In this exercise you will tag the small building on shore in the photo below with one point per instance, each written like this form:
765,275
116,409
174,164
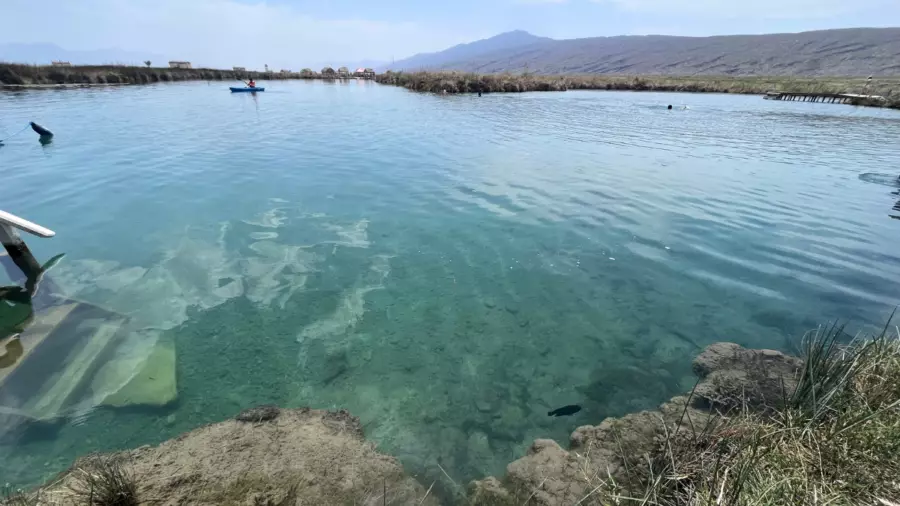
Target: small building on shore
179,64
328,73
343,72
239,69
365,73
59,63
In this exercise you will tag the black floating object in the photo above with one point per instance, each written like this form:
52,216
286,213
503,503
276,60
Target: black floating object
569,410
43,132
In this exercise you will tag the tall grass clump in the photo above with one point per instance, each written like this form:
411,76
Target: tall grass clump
104,482
834,440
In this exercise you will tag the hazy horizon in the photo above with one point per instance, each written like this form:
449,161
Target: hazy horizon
295,33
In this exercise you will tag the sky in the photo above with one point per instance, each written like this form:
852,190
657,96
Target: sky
300,33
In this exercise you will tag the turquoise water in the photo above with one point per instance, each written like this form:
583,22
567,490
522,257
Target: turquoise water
448,269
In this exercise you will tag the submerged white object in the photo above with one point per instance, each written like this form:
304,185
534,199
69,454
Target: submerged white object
24,225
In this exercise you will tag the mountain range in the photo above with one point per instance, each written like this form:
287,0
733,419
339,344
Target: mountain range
843,52
43,54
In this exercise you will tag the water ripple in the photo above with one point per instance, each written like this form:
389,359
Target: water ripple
462,260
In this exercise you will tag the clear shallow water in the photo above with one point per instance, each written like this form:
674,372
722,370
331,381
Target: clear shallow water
448,269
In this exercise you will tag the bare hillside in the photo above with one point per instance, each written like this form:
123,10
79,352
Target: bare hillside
847,52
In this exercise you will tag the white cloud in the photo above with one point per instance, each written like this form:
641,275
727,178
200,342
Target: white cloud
216,32
760,9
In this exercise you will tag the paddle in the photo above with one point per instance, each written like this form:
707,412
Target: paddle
241,80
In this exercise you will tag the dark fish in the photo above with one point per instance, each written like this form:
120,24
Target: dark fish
571,409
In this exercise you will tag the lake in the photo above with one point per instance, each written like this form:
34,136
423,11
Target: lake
447,268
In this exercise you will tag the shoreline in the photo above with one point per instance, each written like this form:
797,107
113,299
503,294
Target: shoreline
60,86
19,76
469,83
220,456
755,403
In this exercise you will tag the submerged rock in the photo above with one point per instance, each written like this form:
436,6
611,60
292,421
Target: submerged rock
237,463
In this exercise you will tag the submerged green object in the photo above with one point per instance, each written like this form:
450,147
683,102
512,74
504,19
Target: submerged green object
154,384
13,351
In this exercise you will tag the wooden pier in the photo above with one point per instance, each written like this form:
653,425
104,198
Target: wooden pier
831,98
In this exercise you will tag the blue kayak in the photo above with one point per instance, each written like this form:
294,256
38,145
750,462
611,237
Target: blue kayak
252,90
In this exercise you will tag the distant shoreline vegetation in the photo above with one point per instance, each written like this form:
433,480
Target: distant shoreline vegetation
461,82
15,75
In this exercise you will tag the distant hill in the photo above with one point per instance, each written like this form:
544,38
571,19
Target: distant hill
846,52
472,51
43,54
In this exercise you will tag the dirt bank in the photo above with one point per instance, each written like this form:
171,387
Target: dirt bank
266,456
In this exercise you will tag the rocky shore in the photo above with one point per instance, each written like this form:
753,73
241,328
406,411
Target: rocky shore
266,456
842,400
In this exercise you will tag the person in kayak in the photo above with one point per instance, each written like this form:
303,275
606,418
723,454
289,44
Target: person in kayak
252,83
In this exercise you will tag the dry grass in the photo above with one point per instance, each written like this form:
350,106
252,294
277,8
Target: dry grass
18,497
262,490
104,482
836,441
256,490
23,75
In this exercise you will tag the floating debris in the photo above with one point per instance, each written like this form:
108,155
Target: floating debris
43,132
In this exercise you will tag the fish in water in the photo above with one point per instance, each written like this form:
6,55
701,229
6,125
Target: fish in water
569,410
